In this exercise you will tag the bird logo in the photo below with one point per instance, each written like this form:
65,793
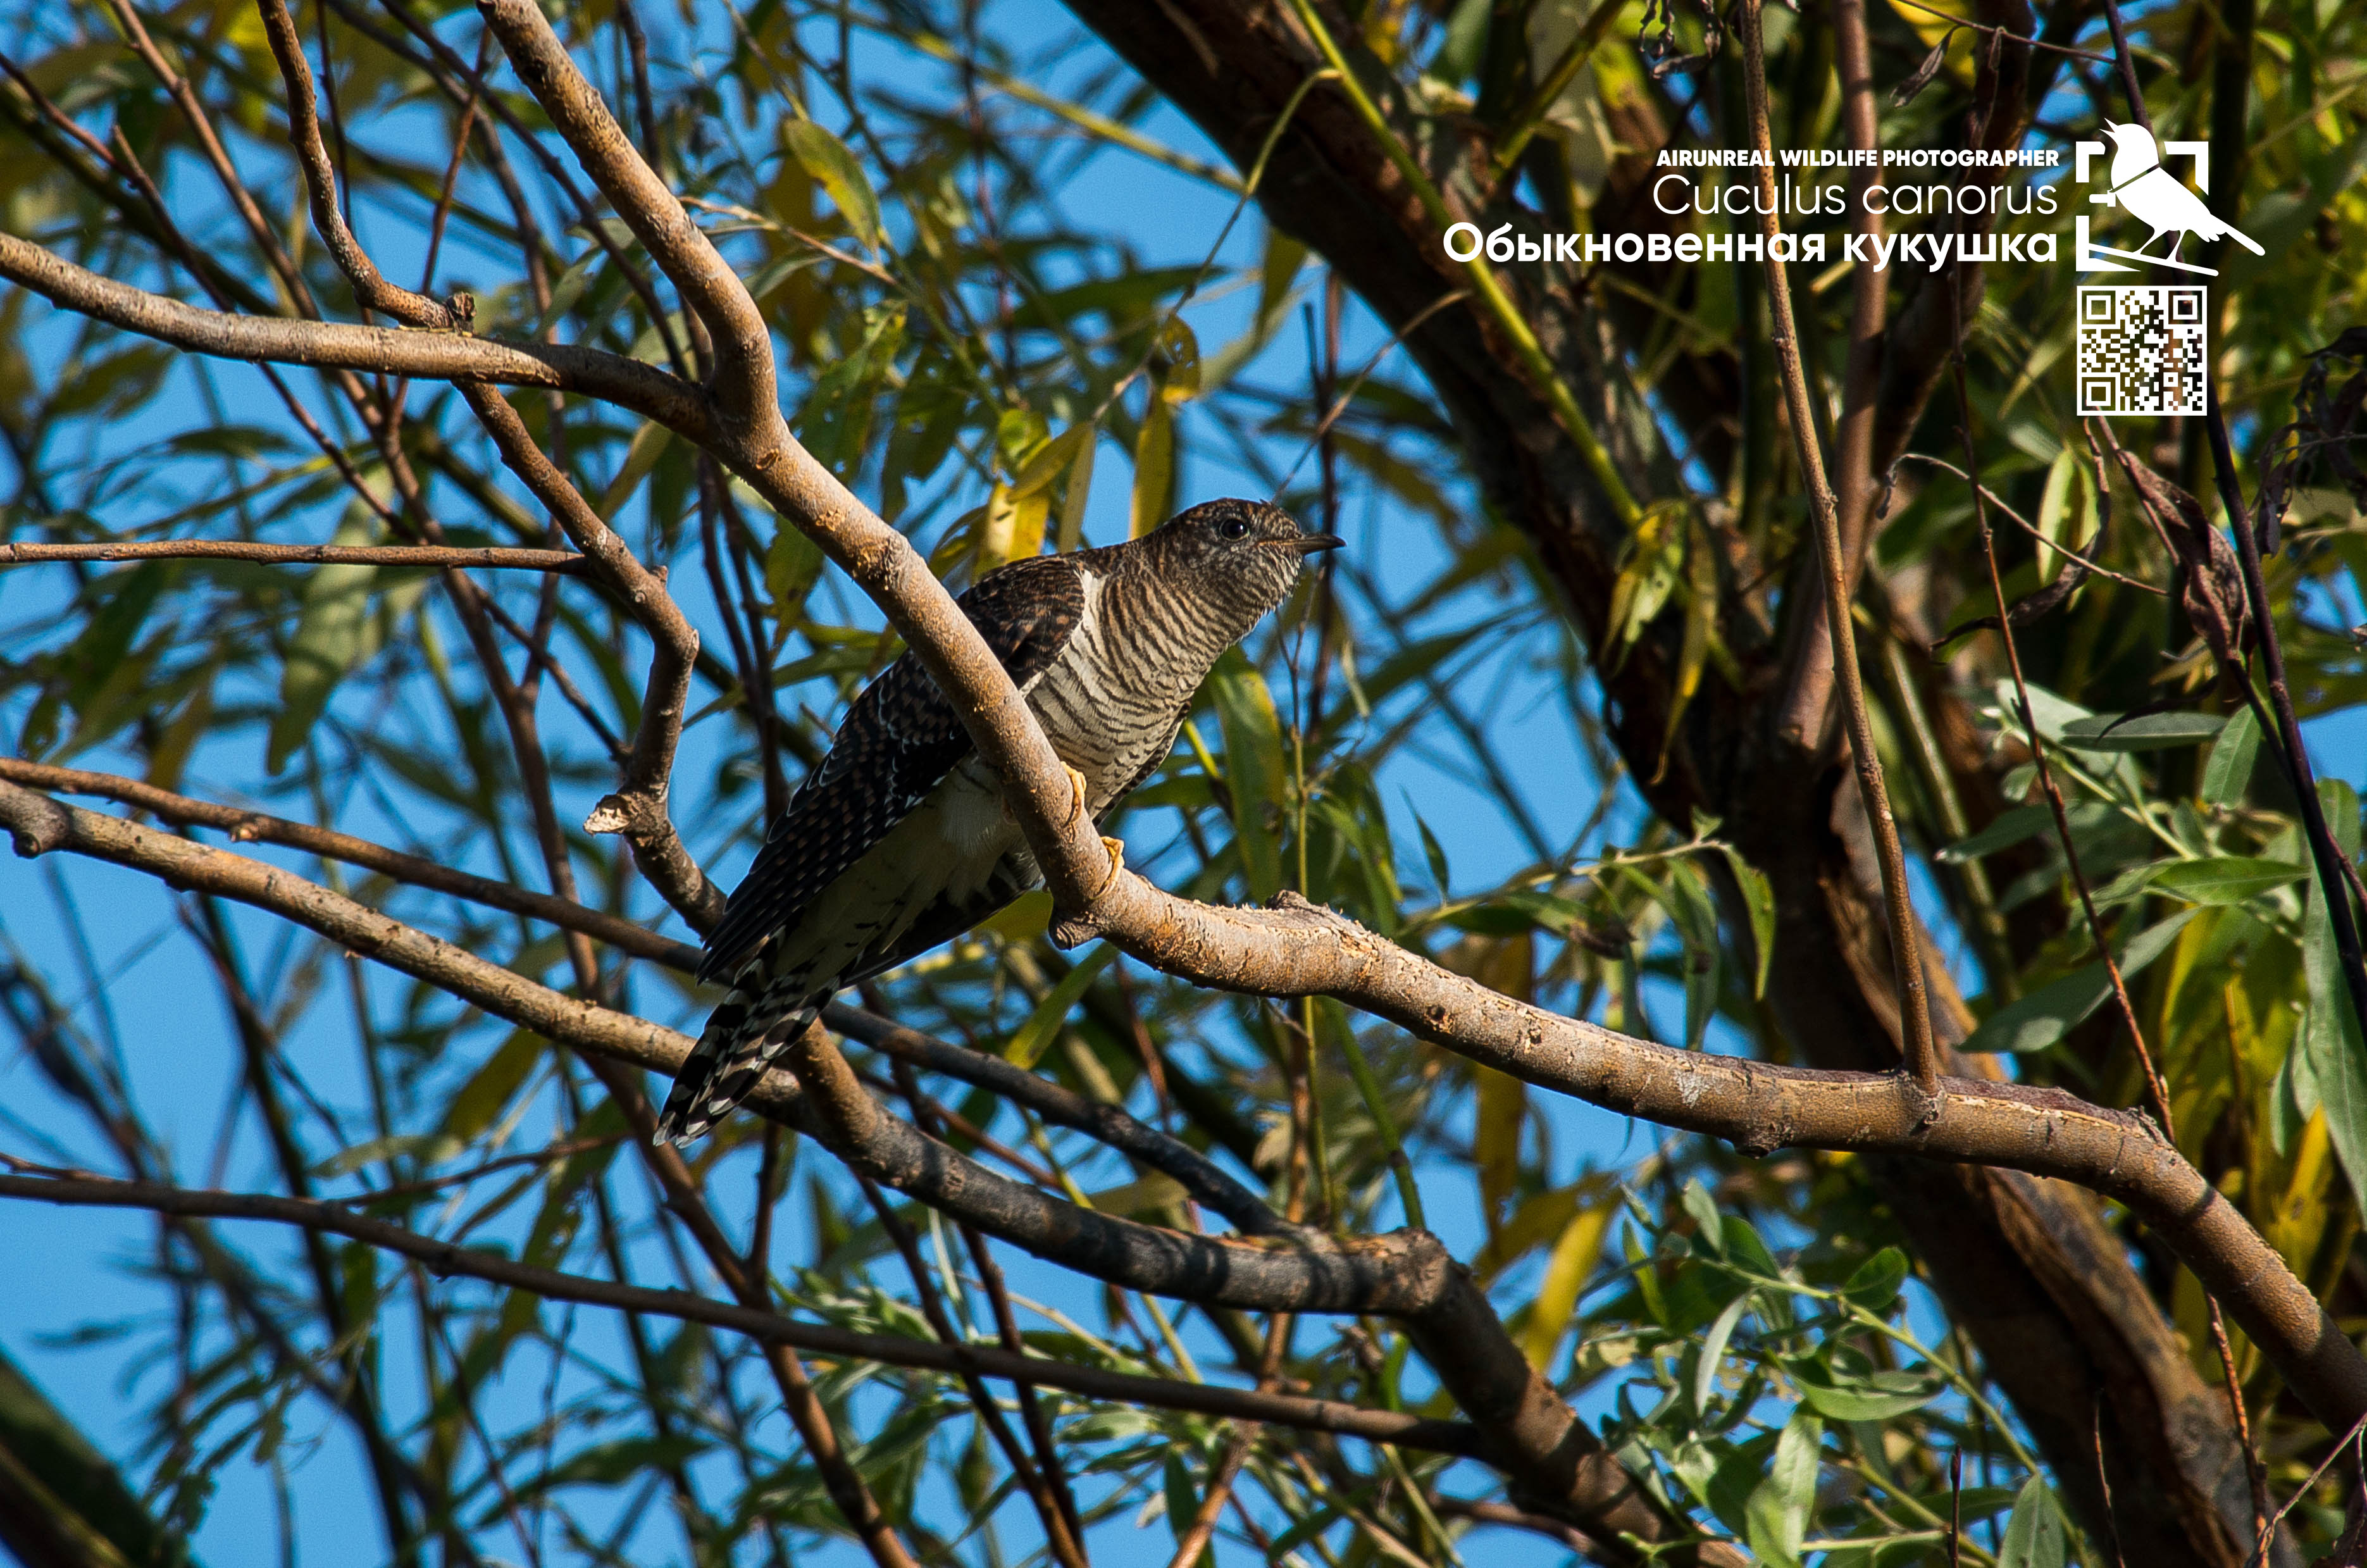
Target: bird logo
2155,197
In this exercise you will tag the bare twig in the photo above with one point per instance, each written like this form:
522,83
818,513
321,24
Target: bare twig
1808,687
816,1339
1906,942
2026,525
559,560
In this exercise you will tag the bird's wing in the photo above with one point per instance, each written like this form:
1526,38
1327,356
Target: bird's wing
900,739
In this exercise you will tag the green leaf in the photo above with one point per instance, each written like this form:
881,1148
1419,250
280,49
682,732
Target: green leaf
1704,1209
792,566
2055,505
825,157
1182,1498
1697,920
648,444
2043,1017
1776,1520
479,1102
1876,1396
2034,1537
836,422
1254,767
2148,732
1433,854
2225,879
2010,829
1758,899
2336,1056
1302,1532
1713,1352
613,1464
335,632
2229,771
1746,1248
1877,1280
1027,1042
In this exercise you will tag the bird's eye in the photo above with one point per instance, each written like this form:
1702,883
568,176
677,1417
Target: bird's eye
1235,526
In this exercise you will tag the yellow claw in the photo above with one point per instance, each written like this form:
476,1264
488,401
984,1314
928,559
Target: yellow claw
1076,785
1117,847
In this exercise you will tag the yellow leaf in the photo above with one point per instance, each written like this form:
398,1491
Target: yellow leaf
1073,499
1539,1219
1154,468
648,445
1504,1106
1011,530
1573,1261
1048,459
1931,29
1701,613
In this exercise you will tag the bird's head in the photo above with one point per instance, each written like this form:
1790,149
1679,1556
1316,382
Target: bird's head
1241,556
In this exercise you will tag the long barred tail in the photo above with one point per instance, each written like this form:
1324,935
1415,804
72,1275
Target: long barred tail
743,1036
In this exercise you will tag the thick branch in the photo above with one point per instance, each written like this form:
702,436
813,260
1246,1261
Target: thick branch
1295,949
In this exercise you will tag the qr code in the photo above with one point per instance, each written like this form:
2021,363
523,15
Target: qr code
2141,350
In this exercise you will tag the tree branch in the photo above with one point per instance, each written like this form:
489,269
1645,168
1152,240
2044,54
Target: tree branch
564,562
246,826
1906,940
817,1339
424,356
743,380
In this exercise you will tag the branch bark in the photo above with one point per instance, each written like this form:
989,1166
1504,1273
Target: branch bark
817,1339
564,562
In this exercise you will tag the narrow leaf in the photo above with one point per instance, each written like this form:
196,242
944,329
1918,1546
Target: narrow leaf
1027,1042
2336,1056
1154,468
2225,775
2225,879
2146,731
825,157
2033,1535
2043,1017
1778,1513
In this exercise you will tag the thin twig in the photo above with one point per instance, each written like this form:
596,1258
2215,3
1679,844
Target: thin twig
2026,525
817,1339
563,562
2260,1546
1917,1044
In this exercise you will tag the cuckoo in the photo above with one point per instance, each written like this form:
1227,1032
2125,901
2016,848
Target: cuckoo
899,839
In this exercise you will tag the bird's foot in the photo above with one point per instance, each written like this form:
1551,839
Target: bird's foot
1077,797
1117,847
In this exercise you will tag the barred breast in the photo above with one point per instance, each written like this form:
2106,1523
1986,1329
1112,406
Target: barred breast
1111,704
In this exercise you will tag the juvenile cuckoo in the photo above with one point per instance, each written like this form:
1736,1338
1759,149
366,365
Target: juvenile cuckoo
898,840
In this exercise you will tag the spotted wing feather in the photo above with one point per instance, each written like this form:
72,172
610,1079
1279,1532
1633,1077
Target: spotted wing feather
898,741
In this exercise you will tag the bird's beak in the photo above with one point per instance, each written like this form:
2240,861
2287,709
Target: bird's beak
1308,544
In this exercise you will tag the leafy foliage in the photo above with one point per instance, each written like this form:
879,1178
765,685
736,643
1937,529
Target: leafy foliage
978,334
